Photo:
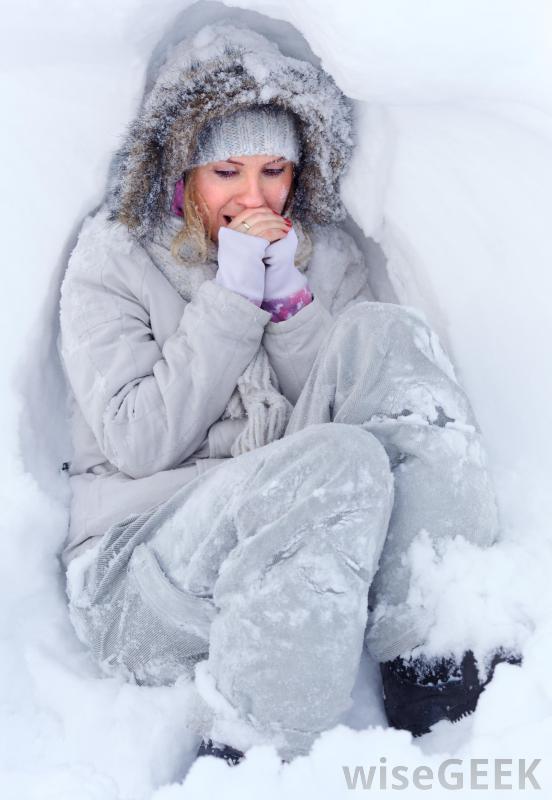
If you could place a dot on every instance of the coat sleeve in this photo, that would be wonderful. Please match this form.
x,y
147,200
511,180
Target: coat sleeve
x,y
338,278
150,407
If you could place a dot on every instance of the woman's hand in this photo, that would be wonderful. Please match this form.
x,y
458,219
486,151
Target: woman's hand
x,y
282,278
263,222
240,263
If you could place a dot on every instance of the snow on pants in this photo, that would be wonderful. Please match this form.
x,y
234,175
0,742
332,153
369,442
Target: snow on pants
x,y
263,568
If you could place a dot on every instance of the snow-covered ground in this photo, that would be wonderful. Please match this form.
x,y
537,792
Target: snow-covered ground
x,y
452,177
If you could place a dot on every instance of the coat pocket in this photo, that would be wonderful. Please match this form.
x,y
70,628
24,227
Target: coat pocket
x,y
144,628
163,630
176,608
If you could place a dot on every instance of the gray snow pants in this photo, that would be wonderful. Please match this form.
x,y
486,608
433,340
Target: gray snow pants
x,y
263,565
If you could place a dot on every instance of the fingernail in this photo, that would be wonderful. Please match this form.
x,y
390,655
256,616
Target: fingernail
x,y
287,221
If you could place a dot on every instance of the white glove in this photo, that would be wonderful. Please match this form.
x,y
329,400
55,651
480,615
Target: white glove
x,y
241,268
282,278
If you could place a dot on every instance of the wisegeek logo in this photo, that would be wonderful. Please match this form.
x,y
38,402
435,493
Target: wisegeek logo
x,y
453,773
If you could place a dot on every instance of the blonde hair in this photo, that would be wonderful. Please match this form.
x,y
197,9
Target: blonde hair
x,y
193,231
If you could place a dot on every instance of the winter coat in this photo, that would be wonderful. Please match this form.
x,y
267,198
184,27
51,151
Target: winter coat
x,y
150,373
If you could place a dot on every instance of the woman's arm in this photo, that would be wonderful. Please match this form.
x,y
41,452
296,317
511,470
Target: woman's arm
x,y
149,406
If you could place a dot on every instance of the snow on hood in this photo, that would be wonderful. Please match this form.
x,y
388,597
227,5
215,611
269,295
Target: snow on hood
x,y
218,71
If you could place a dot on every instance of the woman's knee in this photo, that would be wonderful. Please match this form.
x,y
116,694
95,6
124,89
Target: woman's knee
x,y
348,451
387,345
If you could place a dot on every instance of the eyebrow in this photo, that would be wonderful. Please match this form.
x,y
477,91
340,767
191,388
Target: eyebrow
x,y
240,163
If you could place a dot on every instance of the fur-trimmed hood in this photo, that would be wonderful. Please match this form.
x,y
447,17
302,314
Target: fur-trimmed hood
x,y
220,70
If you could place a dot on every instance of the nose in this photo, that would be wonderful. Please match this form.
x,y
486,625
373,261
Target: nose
x,y
250,193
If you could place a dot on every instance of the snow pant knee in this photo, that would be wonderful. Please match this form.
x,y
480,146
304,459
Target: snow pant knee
x,y
380,360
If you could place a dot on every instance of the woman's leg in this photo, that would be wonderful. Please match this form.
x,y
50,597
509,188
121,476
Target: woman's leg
x,y
270,556
287,641
381,368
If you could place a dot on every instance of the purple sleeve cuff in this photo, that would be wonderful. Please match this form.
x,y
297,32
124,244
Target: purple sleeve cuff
x,y
286,307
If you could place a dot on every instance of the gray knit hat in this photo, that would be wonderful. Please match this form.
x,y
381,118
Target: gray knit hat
x,y
251,132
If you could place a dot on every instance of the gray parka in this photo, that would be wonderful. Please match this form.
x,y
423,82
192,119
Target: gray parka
x,y
150,373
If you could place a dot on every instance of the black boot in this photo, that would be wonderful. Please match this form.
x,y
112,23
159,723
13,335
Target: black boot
x,y
418,692
229,754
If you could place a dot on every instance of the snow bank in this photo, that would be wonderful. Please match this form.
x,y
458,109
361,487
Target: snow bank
x,y
452,177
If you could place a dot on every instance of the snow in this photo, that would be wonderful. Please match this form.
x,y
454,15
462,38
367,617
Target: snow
x,y
451,176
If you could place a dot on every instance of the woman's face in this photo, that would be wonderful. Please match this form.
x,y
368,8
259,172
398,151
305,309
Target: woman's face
x,y
242,182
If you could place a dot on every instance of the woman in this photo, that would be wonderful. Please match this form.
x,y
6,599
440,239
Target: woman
x,y
256,445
